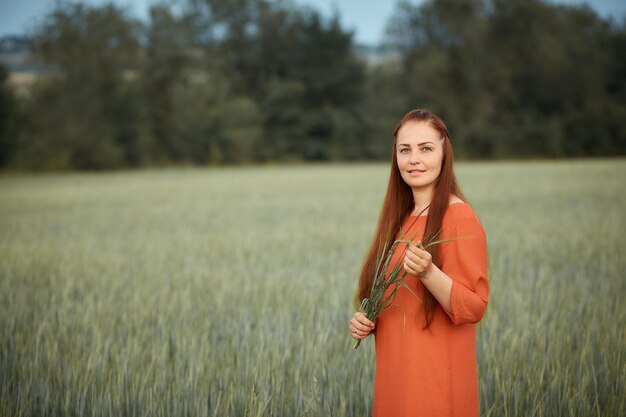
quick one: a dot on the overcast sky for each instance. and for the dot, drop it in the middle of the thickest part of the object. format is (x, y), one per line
(366, 17)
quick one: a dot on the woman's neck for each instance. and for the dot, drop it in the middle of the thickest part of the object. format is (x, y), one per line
(422, 199)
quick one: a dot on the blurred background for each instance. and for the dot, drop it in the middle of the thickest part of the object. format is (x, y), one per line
(94, 85)
(224, 286)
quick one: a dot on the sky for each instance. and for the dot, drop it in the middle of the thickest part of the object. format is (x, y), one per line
(367, 18)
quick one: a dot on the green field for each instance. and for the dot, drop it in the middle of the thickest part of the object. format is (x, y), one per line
(227, 292)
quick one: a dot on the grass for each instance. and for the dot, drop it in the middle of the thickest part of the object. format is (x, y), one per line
(227, 292)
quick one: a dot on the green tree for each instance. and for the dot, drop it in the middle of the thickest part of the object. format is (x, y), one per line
(298, 67)
(169, 59)
(212, 125)
(194, 113)
(85, 115)
(9, 120)
(554, 82)
(385, 102)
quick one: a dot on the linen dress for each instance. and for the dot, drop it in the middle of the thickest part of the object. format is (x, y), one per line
(432, 372)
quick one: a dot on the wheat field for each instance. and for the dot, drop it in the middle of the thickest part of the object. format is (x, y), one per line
(227, 291)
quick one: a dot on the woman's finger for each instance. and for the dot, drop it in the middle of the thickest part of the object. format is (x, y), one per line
(359, 334)
(356, 325)
(411, 255)
(360, 317)
(413, 264)
(418, 251)
(415, 268)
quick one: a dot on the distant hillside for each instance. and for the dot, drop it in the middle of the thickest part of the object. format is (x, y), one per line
(16, 54)
(15, 44)
(375, 55)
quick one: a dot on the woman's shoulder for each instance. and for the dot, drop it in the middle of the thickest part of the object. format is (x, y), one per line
(454, 200)
(459, 209)
(460, 220)
(461, 225)
(458, 206)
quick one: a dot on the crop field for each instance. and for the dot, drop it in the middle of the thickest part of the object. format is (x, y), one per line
(227, 291)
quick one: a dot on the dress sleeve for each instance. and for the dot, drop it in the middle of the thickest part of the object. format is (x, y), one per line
(465, 262)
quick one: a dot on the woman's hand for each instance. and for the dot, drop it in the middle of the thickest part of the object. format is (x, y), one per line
(360, 326)
(417, 261)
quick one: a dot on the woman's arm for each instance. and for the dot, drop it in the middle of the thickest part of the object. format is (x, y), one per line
(461, 285)
(418, 262)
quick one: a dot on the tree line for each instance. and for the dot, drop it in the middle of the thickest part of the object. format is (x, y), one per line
(214, 82)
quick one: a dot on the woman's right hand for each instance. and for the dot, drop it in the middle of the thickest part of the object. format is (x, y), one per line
(360, 326)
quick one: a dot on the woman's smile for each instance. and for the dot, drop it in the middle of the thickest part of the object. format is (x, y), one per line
(416, 172)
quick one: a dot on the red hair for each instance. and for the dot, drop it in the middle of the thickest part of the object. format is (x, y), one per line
(398, 204)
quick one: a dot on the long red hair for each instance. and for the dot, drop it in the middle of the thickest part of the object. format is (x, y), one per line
(398, 204)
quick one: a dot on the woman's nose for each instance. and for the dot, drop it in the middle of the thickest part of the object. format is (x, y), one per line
(414, 157)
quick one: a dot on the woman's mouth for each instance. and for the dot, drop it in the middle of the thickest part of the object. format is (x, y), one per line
(416, 172)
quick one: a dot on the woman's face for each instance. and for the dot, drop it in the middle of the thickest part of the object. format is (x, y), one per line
(419, 152)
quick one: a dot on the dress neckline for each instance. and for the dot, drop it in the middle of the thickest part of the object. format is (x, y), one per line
(426, 215)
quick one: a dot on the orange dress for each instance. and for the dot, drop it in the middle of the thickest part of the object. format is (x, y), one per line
(432, 372)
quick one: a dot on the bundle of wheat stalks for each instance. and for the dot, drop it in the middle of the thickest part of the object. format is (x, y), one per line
(379, 299)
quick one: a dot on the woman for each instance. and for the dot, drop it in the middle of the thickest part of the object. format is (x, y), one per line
(426, 345)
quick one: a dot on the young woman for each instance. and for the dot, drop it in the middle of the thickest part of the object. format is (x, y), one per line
(426, 345)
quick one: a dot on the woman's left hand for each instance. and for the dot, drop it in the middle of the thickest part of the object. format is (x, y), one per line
(417, 261)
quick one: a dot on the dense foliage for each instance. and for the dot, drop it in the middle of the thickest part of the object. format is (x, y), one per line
(213, 82)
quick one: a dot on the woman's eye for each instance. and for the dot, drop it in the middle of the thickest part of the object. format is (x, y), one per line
(404, 150)
(427, 149)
